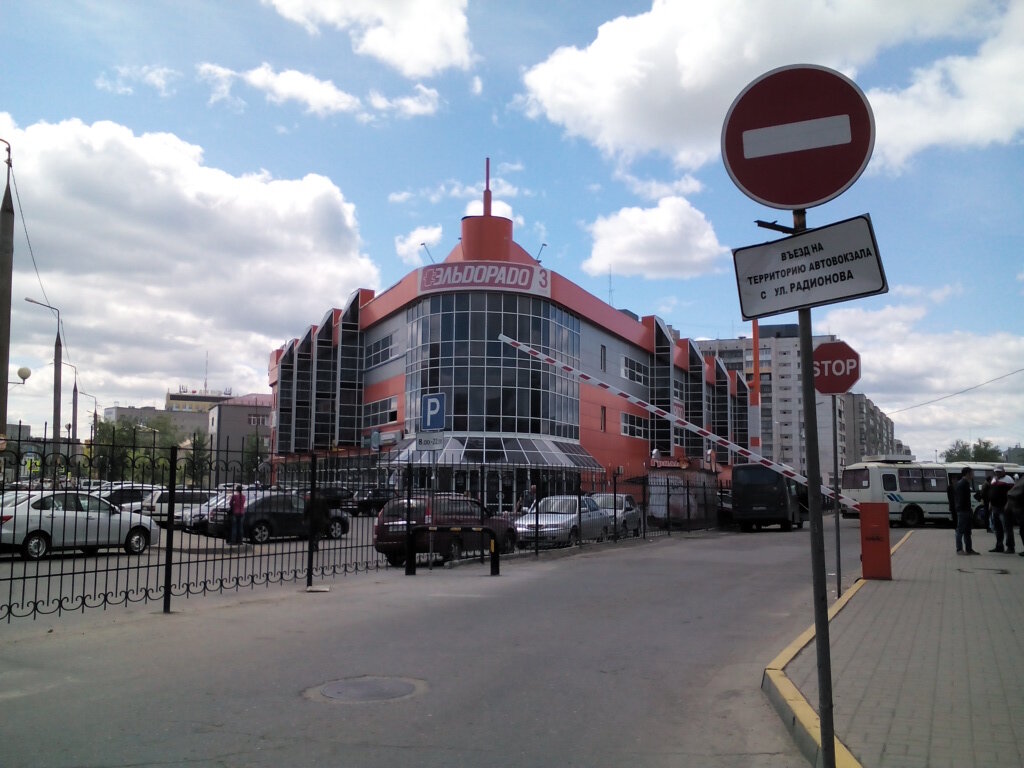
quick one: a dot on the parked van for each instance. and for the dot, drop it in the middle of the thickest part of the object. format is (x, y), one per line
(761, 496)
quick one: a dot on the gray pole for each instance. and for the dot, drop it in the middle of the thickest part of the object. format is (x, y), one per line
(58, 354)
(835, 492)
(6, 268)
(820, 589)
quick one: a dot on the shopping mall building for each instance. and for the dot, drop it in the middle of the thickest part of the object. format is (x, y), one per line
(350, 388)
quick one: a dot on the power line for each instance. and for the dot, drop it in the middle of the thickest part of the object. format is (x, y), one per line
(954, 394)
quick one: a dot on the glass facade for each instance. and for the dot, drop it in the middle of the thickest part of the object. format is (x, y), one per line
(490, 387)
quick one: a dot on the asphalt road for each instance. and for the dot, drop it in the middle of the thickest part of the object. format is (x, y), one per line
(638, 654)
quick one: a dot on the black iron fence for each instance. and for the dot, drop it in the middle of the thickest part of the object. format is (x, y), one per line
(75, 535)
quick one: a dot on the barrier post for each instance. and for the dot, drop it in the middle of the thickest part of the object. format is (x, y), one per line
(875, 554)
(495, 557)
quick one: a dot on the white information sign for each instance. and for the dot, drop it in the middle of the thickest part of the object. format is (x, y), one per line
(431, 441)
(820, 266)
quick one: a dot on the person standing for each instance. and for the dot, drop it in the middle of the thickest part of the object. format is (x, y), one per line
(526, 500)
(962, 495)
(237, 508)
(1002, 522)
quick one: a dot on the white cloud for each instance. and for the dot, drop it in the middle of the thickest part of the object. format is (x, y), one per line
(320, 97)
(410, 247)
(161, 79)
(959, 101)
(424, 102)
(157, 260)
(220, 80)
(662, 81)
(904, 368)
(671, 240)
(476, 85)
(418, 38)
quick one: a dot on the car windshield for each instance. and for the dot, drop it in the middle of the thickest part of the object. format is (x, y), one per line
(604, 500)
(558, 505)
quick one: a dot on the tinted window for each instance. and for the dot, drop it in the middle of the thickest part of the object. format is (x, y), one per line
(888, 482)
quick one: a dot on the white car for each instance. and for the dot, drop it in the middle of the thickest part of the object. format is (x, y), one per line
(36, 522)
(622, 508)
(186, 501)
(559, 521)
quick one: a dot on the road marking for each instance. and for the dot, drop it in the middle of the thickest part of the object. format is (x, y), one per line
(797, 137)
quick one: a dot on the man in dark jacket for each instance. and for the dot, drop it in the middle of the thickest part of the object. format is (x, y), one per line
(1002, 522)
(962, 494)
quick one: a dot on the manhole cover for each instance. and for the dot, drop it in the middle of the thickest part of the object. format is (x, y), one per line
(361, 689)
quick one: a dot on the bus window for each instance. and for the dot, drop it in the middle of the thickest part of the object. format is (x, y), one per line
(888, 482)
(855, 478)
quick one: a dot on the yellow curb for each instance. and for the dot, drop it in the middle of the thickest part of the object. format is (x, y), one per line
(799, 716)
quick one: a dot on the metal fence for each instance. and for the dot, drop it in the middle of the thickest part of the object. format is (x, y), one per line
(77, 535)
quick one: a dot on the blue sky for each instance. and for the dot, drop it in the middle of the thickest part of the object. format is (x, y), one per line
(200, 181)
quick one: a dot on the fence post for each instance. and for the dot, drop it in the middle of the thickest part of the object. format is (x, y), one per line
(689, 524)
(310, 522)
(169, 546)
(615, 502)
(410, 545)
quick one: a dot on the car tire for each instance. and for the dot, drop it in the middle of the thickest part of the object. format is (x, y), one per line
(90, 551)
(35, 546)
(395, 560)
(337, 527)
(746, 527)
(260, 532)
(786, 525)
(510, 543)
(574, 538)
(136, 541)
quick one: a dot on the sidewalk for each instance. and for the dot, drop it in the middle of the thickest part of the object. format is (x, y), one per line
(927, 669)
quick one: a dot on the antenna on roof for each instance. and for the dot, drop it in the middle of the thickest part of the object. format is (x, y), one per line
(424, 246)
(542, 247)
(487, 187)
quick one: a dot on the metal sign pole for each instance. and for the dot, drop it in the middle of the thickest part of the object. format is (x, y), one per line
(835, 490)
(820, 590)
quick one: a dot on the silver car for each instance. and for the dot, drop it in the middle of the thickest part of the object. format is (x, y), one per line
(36, 522)
(622, 508)
(558, 521)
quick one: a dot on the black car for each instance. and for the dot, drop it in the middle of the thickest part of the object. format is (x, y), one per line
(336, 496)
(369, 501)
(272, 514)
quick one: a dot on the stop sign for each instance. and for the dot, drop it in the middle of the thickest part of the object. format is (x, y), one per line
(798, 136)
(836, 368)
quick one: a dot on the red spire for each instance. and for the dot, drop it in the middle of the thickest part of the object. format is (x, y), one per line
(487, 188)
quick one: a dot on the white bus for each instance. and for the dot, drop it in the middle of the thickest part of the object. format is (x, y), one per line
(916, 491)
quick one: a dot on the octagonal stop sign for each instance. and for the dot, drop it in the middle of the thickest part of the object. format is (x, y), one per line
(836, 368)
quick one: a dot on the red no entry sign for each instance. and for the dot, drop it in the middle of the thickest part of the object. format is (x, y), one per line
(798, 136)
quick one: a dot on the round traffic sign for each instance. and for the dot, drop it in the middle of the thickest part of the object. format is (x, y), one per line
(798, 136)
(836, 368)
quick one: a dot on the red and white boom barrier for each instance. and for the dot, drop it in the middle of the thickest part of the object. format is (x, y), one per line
(782, 469)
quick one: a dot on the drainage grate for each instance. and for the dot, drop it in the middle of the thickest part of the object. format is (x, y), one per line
(364, 689)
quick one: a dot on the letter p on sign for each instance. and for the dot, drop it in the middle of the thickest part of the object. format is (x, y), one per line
(432, 412)
(836, 368)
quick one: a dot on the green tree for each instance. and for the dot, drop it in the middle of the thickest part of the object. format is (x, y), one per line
(982, 450)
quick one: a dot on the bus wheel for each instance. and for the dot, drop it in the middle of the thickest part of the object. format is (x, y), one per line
(912, 517)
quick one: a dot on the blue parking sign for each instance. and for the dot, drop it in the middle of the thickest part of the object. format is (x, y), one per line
(432, 412)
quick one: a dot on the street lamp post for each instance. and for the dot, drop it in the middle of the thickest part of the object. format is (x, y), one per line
(57, 357)
(95, 415)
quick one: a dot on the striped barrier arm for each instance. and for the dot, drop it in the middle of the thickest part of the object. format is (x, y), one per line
(782, 469)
